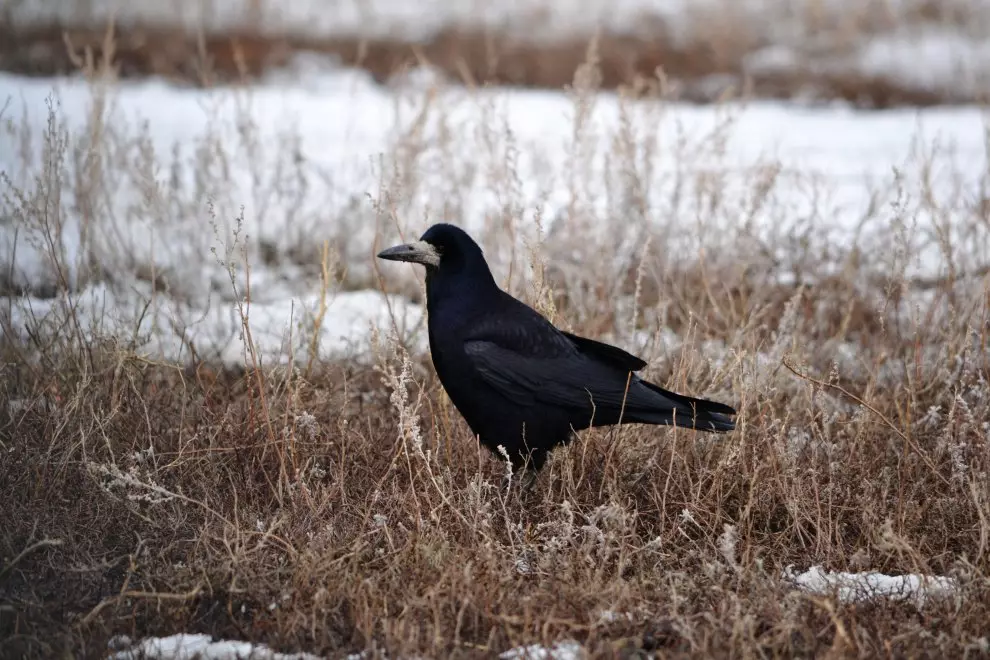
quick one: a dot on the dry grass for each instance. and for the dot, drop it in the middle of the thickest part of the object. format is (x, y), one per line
(347, 508)
(290, 510)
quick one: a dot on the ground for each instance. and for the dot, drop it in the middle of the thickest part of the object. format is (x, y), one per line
(219, 414)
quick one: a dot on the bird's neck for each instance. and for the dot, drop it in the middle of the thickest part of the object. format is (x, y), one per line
(456, 296)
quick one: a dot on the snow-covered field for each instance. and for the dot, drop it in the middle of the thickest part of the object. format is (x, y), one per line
(143, 224)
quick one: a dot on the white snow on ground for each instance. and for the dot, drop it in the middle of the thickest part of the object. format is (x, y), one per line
(565, 650)
(855, 587)
(185, 646)
(164, 328)
(926, 58)
(943, 61)
(301, 161)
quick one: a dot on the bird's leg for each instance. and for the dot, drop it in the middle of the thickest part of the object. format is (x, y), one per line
(524, 477)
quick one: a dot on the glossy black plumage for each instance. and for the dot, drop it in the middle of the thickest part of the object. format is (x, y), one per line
(517, 380)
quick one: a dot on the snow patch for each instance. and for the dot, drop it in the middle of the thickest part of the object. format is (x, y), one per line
(159, 328)
(932, 59)
(856, 587)
(184, 646)
(929, 58)
(564, 650)
(611, 616)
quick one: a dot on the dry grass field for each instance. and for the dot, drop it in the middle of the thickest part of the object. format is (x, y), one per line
(337, 504)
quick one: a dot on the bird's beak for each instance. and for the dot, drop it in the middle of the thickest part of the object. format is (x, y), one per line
(419, 252)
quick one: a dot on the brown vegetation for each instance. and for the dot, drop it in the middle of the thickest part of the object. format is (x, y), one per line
(299, 512)
(701, 69)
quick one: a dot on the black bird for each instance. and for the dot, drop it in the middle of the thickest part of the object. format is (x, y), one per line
(520, 382)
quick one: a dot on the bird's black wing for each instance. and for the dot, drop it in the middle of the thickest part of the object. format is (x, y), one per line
(521, 355)
(589, 387)
(606, 352)
(540, 365)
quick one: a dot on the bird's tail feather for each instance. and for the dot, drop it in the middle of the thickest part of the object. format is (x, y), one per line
(699, 414)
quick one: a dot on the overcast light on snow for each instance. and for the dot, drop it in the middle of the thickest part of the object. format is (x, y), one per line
(321, 144)
(565, 650)
(854, 587)
(185, 646)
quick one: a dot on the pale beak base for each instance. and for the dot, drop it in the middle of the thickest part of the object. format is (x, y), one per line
(419, 252)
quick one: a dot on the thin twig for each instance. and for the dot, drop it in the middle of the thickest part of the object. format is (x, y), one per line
(155, 595)
(907, 440)
(25, 552)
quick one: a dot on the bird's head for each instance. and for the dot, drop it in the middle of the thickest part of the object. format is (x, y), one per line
(444, 248)
(456, 270)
